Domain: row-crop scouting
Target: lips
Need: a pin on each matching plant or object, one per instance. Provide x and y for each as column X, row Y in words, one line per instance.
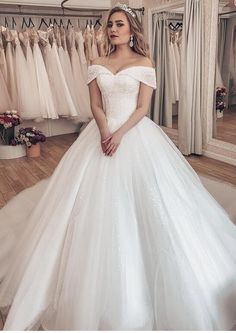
column 113, row 36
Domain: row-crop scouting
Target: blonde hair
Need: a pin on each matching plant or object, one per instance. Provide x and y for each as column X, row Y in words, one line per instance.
column 140, row 45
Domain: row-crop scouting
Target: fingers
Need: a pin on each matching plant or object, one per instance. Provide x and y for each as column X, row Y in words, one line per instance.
column 109, row 149
column 112, row 150
column 107, row 139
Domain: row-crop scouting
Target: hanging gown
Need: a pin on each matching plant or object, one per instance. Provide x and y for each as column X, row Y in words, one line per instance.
column 3, row 63
column 48, row 109
column 128, row 242
column 94, row 44
column 61, row 93
column 101, row 44
column 67, row 69
column 5, row 103
column 81, row 87
column 11, row 76
column 88, row 44
column 32, row 90
column 80, row 49
column 28, row 99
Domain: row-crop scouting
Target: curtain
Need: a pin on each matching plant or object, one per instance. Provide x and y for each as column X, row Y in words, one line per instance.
column 162, row 100
column 191, row 76
column 221, row 41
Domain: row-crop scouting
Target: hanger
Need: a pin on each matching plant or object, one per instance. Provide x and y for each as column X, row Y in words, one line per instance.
column 24, row 23
column 176, row 26
column 97, row 22
column 6, row 23
column 61, row 23
column 31, row 23
column 55, row 22
column 69, row 23
column 43, row 22
column 13, row 23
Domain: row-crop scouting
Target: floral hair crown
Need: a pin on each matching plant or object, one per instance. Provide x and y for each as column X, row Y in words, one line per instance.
column 124, row 7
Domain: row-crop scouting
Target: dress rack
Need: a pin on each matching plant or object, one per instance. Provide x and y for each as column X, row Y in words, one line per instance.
column 19, row 12
column 141, row 9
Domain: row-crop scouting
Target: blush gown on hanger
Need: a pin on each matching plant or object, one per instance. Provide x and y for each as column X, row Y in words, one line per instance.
column 128, row 242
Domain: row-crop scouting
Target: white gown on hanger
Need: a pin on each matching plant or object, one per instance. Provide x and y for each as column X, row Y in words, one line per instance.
column 28, row 98
column 128, row 242
column 48, row 109
column 67, row 69
column 31, row 86
column 61, row 93
column 81, row 87
column 11, row 76
column 80, row 49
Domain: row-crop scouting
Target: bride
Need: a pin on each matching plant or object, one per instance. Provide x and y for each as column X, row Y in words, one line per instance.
column 123, row 235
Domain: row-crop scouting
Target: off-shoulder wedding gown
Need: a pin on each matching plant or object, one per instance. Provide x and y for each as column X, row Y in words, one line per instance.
column 128, row 242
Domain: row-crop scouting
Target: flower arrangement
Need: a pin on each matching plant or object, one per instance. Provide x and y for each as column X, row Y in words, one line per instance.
column 28, row 136
column 220, row 95
column 8, row 120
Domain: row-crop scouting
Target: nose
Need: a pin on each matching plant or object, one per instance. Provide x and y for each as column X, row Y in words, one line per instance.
column 113, row 28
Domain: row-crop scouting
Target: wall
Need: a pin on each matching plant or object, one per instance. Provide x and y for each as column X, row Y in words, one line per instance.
column 99, row 4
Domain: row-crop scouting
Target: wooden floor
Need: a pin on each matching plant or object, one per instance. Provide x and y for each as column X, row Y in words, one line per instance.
column 17, row 174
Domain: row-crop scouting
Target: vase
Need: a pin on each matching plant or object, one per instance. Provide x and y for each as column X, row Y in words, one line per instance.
column 219, row 114
column 7, row 134
column 33, row 151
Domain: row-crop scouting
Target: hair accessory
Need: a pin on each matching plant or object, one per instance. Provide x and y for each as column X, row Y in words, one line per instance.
column 124, row 7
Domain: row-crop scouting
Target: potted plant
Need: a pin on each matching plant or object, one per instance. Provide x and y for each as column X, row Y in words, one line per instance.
column 31, row 138
column 8, row 121
column 220, row 104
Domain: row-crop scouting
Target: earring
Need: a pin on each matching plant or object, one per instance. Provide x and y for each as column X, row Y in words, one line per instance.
column 131, row 43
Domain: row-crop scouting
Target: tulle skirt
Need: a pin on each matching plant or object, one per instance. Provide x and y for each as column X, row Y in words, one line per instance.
column 128, row 242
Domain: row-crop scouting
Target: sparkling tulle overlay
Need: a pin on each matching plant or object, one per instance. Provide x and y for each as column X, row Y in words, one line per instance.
column 128, row 242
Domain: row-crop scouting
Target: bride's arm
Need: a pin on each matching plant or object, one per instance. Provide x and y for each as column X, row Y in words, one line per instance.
column 97, row 109
column 144, row 99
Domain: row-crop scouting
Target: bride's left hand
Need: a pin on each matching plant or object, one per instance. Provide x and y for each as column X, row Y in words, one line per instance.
column 113, row 143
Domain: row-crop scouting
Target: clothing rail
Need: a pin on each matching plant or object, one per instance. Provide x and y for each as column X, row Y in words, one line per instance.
column 49, row 11
column 141, row 9
column 227, row 13
column 49, row 14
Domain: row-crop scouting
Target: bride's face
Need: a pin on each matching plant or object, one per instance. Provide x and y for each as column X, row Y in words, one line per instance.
column 118, row 29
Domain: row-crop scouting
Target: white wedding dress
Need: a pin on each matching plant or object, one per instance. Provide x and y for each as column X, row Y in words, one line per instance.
column 128, row 242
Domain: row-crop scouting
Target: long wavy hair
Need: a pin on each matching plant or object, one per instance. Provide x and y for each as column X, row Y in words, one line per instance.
column 136, row 29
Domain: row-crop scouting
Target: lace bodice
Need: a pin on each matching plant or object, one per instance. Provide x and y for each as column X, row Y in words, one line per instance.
column 120, row 91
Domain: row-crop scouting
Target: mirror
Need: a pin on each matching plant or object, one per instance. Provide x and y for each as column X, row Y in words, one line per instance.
column 224, row 113
column 166, row 46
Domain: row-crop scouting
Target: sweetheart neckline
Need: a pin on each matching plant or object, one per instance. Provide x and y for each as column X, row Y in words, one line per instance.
column 122, row 70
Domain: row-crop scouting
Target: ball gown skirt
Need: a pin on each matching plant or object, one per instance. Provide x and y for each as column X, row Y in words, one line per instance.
column 128, row 242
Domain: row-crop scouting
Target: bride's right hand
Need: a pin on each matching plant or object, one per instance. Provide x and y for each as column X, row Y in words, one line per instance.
column 104, row 140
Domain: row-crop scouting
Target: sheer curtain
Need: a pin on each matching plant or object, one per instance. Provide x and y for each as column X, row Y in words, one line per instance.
column 162, row 101
column 191, row 94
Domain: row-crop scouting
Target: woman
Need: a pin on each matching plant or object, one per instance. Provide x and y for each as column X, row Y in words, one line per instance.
column 123, row 235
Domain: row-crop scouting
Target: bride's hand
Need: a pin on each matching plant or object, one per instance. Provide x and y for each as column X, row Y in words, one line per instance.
column 113, row 143
column 104, row 140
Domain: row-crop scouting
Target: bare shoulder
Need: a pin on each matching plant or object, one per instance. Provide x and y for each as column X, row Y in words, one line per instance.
column 98, row 61
column 145, row 61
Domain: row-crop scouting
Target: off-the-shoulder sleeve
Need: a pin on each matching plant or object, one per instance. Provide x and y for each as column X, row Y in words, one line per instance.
column 146, row 75
column 92, row 73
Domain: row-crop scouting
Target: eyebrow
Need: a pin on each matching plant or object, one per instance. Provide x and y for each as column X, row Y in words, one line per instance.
column 117, row 21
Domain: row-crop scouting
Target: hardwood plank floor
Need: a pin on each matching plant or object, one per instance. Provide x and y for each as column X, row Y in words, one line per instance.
column 20, row 173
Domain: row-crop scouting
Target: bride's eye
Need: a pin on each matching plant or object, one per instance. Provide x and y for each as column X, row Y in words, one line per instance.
column 119, row 24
